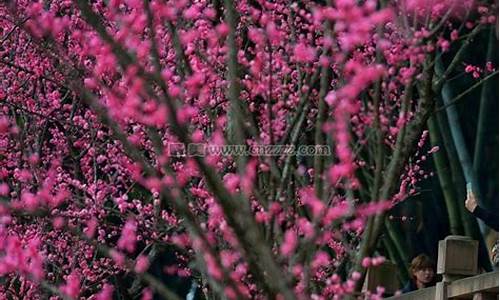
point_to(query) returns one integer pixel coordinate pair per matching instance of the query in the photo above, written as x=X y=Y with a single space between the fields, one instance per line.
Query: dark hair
x=421 y=262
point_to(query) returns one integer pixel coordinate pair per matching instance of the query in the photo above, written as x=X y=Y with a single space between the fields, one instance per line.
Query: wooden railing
x=457 y=264
x=479 y=287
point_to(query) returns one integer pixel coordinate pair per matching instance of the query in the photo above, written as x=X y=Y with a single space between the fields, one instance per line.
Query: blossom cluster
x=92 y=94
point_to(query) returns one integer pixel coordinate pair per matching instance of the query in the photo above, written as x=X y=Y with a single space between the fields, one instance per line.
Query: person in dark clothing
x=488 y=217
x=422 y=274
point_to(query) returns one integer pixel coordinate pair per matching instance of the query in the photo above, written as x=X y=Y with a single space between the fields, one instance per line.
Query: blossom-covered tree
x=108 y=110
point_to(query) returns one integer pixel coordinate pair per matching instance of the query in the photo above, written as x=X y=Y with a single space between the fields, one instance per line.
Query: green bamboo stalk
x=458 y=138
x=444 y=175
x=456 y=174
x=465 y=162
x=471 y=227
x=484 y=109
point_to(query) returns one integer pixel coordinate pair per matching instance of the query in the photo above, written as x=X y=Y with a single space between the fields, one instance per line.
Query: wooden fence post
x=384 y=275
x=457 y=257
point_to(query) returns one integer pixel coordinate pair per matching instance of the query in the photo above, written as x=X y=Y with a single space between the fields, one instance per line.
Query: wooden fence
x=457 y=264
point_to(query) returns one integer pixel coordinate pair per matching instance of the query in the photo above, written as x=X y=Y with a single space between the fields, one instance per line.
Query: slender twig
x=10 y=64
x=239 y=217
x=8 y=34
x=464 y=93
x=437 y=85
x=319 y=137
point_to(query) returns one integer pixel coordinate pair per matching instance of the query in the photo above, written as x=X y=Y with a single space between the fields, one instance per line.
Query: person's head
x=422 y=270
